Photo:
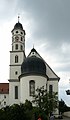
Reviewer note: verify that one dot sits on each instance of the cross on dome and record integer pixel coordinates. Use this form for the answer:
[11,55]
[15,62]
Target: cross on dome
[18,18]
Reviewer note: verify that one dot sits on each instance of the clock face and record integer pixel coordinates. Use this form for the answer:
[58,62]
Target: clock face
[16,38]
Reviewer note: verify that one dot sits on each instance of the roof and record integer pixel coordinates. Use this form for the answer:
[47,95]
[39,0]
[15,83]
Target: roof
[19,26]
[50,73]
[4,88]
[32,65]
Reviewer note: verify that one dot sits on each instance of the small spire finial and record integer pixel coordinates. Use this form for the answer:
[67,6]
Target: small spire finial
[33,45]
[18,17]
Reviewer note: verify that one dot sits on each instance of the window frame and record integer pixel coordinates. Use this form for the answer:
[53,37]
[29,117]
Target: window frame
[16,46]
[50,89]
[16,92]
[31,87]
[16,59]
[21,47]
[21,39]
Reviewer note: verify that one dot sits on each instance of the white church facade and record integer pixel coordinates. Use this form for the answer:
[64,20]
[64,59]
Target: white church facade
[26,73]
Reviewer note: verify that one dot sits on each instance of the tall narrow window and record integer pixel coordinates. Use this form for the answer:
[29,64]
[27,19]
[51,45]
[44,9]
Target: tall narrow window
[16,92]
[12,47]
[50,89]
[16,59]
[21,47]
[21,39]
[4,103]
[16,46]
[32,87]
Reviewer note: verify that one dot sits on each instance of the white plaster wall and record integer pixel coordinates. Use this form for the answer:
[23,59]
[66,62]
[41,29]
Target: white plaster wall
[67,114]
[50,73]
[19,32]
[24,86]
[3,99]
[12,99]
[15,66]
[19,42]
[54,83]
[13,69]
[20,59]
[19,46]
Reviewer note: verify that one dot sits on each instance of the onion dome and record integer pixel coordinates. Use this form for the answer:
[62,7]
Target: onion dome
[33,65]
[18,26]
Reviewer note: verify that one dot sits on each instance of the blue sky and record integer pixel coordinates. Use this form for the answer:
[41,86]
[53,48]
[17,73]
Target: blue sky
[47,26]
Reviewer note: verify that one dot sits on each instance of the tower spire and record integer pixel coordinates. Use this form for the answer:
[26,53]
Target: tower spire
[18,18]
[33,45]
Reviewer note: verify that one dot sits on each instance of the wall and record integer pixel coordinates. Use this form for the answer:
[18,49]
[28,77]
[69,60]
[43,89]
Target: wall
[67,114]
[24,86]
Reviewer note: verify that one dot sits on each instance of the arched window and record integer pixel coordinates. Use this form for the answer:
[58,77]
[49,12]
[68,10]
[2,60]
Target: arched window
[21,47]
[12,47]
[16,72]
[50,89]
[16,46]
[16,59]
[21,38]
[16,92]
[32,87]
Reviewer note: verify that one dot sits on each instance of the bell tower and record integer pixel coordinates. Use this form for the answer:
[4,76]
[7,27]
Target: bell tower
[17,55]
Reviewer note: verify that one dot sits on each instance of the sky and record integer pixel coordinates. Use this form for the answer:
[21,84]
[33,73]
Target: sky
[47,26]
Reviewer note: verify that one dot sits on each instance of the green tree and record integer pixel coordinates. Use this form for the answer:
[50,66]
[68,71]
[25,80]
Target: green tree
[45,101]
[16,112]
[63,107]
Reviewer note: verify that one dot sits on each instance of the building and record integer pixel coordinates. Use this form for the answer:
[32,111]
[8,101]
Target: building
[26,73]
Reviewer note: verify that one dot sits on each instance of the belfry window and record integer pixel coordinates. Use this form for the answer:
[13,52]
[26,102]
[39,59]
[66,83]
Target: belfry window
[21,33]
[21,39]
[32,87]
[16,59]
[16,46]
[12,47]
[16,72]
[21,47]
[16,31]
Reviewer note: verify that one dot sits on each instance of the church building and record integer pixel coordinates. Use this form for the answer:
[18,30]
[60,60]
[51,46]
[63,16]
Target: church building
[26,73]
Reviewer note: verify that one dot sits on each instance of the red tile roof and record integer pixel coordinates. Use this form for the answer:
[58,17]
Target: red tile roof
[4,88]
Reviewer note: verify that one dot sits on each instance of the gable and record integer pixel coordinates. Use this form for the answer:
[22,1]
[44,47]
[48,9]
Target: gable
[49,72]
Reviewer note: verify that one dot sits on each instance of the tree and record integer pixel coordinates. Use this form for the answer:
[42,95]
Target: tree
[63,107]
[45,101]
[17,112]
